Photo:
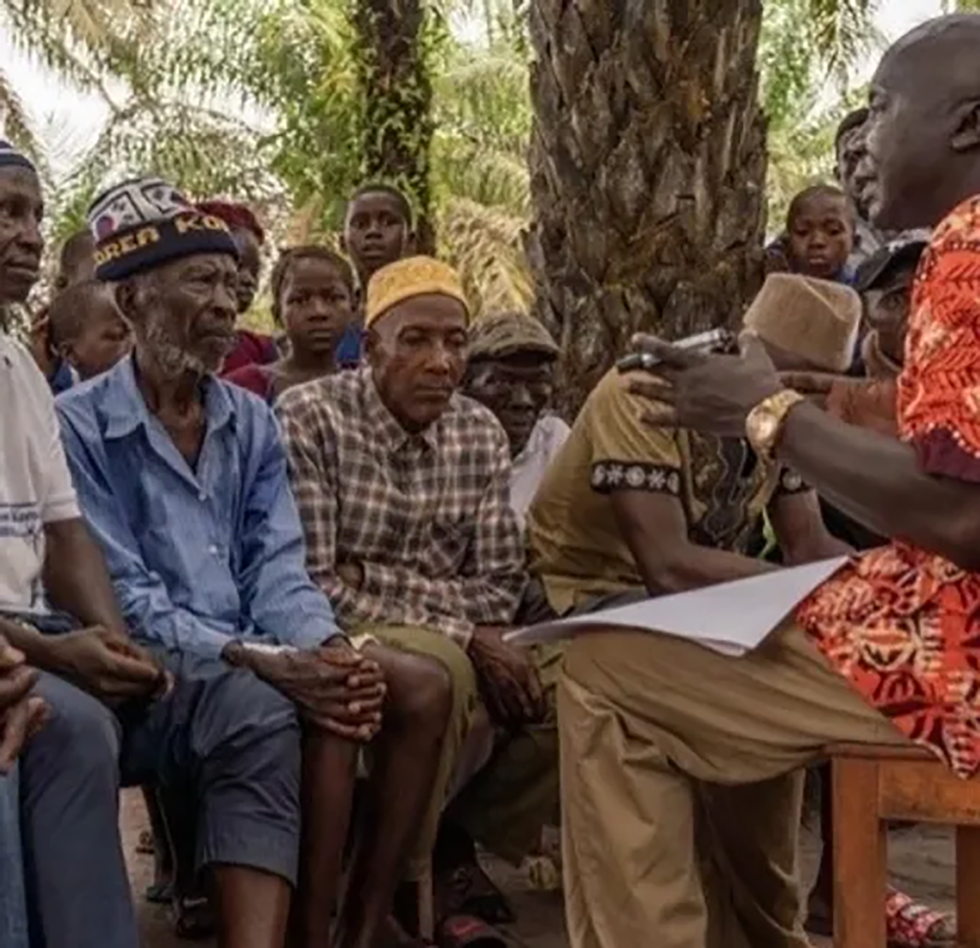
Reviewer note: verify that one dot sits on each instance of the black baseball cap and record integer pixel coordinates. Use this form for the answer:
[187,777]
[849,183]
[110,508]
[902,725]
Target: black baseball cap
[898,253]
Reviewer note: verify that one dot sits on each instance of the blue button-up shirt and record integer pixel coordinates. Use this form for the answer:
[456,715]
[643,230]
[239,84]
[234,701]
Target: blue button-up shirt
[201,555]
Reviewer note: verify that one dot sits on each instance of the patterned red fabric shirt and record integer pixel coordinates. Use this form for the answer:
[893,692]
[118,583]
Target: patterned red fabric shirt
[903,625]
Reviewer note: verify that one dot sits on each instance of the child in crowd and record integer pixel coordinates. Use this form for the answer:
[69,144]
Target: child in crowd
[313,299]
[253,348]
[86,329]
[76,264]
[819,236]
[77,260]
[378,230]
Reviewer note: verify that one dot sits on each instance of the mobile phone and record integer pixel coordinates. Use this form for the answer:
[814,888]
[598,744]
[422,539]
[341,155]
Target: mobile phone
[714,340]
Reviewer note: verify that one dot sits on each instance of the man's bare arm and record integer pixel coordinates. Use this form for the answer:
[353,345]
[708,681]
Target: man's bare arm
[876,481]
[76,578]
[654,527]
[800,531]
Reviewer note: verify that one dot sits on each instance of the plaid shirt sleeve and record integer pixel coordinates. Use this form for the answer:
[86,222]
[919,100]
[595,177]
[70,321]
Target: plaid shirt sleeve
[313,480]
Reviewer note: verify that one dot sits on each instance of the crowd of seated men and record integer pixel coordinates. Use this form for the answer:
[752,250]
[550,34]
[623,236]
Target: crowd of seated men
[248,615]
[270,580]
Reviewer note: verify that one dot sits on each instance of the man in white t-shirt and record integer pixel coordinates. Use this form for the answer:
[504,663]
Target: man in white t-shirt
[113,713]
[511,370]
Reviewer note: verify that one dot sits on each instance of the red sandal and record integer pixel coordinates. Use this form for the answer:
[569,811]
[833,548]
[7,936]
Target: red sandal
[911,924]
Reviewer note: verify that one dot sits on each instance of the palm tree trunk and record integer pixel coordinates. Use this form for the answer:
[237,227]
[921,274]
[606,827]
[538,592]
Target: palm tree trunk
[396,92]
[648,166]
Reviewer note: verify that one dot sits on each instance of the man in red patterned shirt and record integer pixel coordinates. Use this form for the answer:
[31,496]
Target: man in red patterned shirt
[655,729]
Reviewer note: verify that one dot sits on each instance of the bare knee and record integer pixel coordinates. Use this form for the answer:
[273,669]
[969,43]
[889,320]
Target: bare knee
[420,690]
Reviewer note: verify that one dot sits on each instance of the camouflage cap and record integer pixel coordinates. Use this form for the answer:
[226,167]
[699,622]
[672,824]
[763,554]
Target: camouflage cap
[498,335]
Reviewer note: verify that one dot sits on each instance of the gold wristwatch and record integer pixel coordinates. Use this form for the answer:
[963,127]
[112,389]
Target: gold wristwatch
[765,422]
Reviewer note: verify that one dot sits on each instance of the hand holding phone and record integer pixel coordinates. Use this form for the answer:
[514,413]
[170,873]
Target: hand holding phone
[714,340]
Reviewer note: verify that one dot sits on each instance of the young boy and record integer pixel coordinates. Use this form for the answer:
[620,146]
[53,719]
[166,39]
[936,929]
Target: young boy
[820,234]
[87,330]
[76,264]
[378,230]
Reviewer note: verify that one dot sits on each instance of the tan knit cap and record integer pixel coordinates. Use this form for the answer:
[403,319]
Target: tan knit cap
[814,319]
[497,335]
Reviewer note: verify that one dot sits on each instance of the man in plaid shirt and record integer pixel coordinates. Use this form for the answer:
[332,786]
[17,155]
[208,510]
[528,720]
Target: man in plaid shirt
[403,489]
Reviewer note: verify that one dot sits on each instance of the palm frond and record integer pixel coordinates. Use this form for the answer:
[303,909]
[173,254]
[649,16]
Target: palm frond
[841,31]
[15,122]
[208,152]
[486,247]
[83,40]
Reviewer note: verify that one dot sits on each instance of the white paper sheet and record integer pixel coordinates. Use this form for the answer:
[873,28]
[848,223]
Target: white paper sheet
[731,618]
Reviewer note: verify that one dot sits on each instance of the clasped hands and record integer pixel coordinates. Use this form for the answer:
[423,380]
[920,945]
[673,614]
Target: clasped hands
[106,664]
[334,687]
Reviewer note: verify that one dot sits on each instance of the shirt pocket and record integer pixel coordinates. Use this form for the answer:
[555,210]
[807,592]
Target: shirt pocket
[448,545]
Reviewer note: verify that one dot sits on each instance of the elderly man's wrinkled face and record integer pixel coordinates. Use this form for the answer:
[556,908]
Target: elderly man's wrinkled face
[21,244]
[516,388]
[417,351]
[183,314]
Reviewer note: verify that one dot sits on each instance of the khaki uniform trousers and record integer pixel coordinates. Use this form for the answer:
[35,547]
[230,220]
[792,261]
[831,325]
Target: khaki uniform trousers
[682,786]
[506,804]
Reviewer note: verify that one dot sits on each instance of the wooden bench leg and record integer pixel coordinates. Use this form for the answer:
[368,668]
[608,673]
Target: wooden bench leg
[860,856]
[967,876]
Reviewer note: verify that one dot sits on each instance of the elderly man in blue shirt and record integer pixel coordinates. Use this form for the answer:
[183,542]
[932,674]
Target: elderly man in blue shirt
[82,706]
[182,478]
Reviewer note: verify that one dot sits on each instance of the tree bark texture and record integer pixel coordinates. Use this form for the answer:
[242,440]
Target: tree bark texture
[396,92]
[648,168]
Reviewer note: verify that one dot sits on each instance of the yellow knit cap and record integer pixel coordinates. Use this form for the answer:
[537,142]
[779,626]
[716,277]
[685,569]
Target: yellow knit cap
[408,278]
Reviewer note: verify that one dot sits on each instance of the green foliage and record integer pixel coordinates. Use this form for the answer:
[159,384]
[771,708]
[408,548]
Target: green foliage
[292,103]
[806,56]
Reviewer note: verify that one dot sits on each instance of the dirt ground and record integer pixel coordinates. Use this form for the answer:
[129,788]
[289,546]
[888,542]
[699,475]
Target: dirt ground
[921,861]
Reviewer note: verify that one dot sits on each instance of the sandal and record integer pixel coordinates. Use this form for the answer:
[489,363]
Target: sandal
[908,924]
[474,894]
[911,924]
[160,893]
[194,918]
[468,931]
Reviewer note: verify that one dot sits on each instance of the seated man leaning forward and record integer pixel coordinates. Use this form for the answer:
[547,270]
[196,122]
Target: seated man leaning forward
[511,370]
[655,727]
[182,478]
[627,507]
[403,490]
[113,712]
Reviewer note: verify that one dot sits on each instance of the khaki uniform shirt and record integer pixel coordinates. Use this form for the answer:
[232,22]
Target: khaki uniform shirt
[576,547]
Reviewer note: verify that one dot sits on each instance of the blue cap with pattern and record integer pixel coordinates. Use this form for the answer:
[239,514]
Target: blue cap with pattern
[144,223]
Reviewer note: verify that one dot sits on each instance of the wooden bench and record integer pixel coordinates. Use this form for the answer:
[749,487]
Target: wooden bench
[871,785]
